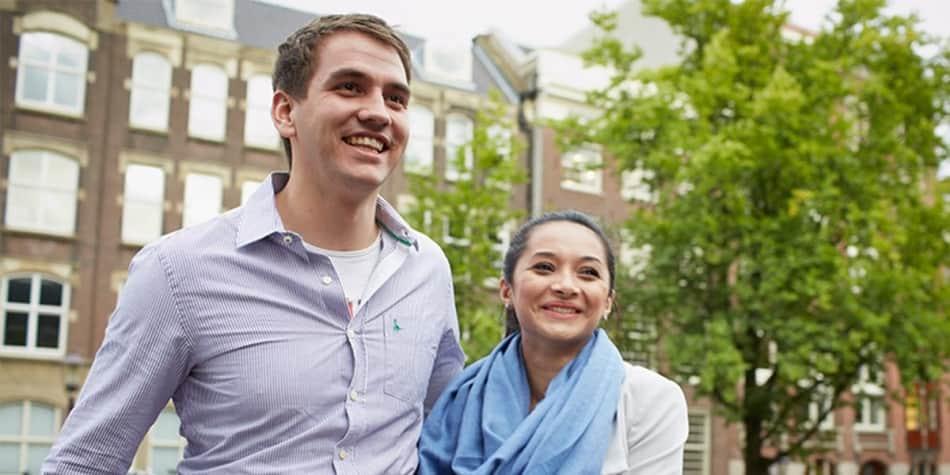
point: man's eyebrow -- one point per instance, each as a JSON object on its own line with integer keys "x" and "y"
{"x": 353, "y": 73}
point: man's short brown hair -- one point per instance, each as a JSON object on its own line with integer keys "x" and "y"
{"x": 297, "y": 56}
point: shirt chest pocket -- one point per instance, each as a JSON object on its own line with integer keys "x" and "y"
{"x": 411, "y": 344}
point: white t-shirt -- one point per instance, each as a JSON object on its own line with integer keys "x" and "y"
{"x": 354, "y": 269}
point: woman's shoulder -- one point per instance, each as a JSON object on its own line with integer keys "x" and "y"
{"x": 644, "y": 383}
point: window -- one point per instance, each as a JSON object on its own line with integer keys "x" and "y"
{"x": 52, "y": 73}
{"x": 824, "y": 396}
{"x": 202, "y": 198}
{"x": 871, "y": 409}
{"x": 259, "y": 131}
{"x": 215, "y": 14}
{"x": 696, "y": 452}
{"x": 247, "y": 189}
{"x": 639, "y": 345}
{"x": 165, "y": 446}
{"x": 418, "y": 156}
{"x": 635, "y": 185}
{"x": 27, "y": 432}
{"x": 143, "y": 204}
{"x": 459, "y": 131}
{"x": 35, "y": 313}
{"x": 207, "y": 114}
{"x": 821, "y": 466}
{"x": 581, "y": 170}
{"x": 41, "y": 195}
{"x": 151, "y": 89}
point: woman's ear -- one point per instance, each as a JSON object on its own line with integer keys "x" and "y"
{"x": 504, "y": 291}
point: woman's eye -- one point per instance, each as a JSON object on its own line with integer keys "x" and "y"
{"x": 590, "y": 272}
{"x": 543, "y": 266}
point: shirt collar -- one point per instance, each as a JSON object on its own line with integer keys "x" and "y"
{"x": 261, "y": 219}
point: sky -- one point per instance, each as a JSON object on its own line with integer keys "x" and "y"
{"x": 540, "y": 23}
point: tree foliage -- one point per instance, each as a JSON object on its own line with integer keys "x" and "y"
{"x": 792, "y": 243}
{"x": 466, "y": 215}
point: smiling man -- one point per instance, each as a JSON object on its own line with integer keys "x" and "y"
{"x": 305, "y": 332}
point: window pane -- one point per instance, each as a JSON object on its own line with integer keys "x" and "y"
{"x": 42, "y": 420}
{"x": 149, "y": 109}
{"x": 47, "y": 331}
{"x": 26, "y": 167}
{"x": 10, "y": 419}
{"x": 14, "y": 333}
{"x": 144, "y": 183}
{"x": 206, "y": 119}
{"x": 18, "y": 290}
{"x": 35, "y": 83}
{"x": 72, "y": 54}
{"x": 35, "y": 454}
{"x": 10, "y": 458}
{"x": 33, "y": 48}
{"x": 202, "y": 198}
{"x": 62, "y": 173}
{"x": 247, "y": 189}
{"x": 51, "y": 293}
{"x": 22, "y": 208}
{"x": 58, "y": 212}
{"x": 153, "y": 70}
{"x": 69, "y": 88}
{"x": 166, "y": 427}
{"x": 164, "y": 460}
{"x": 141, "y": 222}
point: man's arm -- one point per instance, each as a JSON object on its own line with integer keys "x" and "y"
{"x": 143, "y": 359}
{"x": 449, "y": 358}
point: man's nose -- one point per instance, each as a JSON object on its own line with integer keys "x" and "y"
{"x": 374, "y": 111}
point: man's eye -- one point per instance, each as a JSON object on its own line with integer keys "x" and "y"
{"x": 398, "y": 99}
{"x": 348, "y": 86}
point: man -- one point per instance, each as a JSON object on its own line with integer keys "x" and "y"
{"x": 305, "y": 332}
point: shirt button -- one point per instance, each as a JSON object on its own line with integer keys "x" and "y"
{"x": 288, "y": 239}
{"x": 354, "y": 395}
{"x": 343, "y": 454}
{"x": 326, "y": 280}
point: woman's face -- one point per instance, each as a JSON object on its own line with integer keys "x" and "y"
{"x": 561, "y": 285}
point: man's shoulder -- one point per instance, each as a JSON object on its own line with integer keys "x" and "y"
{"x": 197, "y": 240}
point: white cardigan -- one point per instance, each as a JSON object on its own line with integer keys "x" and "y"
{"x": 651, "y": 426}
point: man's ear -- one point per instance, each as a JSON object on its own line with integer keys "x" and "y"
{"x": 280, "y": 112}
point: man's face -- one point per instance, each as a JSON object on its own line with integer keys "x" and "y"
{"x": 351, "y": 130}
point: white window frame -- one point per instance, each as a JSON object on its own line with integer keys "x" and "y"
{"x": 155, "y": 442}
{"x": 419, "y": 155}
{"x": 582, "y": 170}
{"x": 814, "y": 409}
{"x": 17, "y": 185}
{"x": 148, "y": 83}
{"x": 702, "y": 446}
{"x": 456, "y": 139}
{"x": 24, "y": 439}
{"x": 259, "y": 129}
{"x": 54, "y": 69}
{"x": 449, "y": 239}
{"x": 216, "y": 96}
{"x": 33, "y": 309}
{"x": 867, "y": 392}
{"x": 188, "y": 216}
{"x": 140, "y": 237}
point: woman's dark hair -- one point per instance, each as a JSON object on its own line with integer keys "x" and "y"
{"x": 520, "y": 241}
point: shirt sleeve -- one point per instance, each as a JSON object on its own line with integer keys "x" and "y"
{"x": 658, "y": 428}
{"x": 143, "y": 359}
{"x": 449, "y": 358}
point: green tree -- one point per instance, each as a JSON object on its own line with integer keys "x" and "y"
{"x": 466, "y": 216}
{"x": 791, "y": 241}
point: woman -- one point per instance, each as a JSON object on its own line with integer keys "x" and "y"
{"x": 555, "y": 395}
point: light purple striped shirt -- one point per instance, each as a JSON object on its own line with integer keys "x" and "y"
{"x": 249, "y": 335}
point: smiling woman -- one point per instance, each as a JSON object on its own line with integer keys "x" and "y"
{"x": 555, "y": 395}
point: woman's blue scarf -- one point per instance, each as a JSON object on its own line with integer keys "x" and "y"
{"x": 482, "y": 424}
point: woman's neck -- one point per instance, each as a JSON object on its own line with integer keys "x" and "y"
{"x": 542, "y": 363}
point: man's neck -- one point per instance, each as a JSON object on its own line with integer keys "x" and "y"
{"x": 326, "y": 219}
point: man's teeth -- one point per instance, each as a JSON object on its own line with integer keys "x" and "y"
{"x": 366, "y": 142}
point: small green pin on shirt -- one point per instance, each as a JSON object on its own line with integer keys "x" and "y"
{"x": 396, "y": 326}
